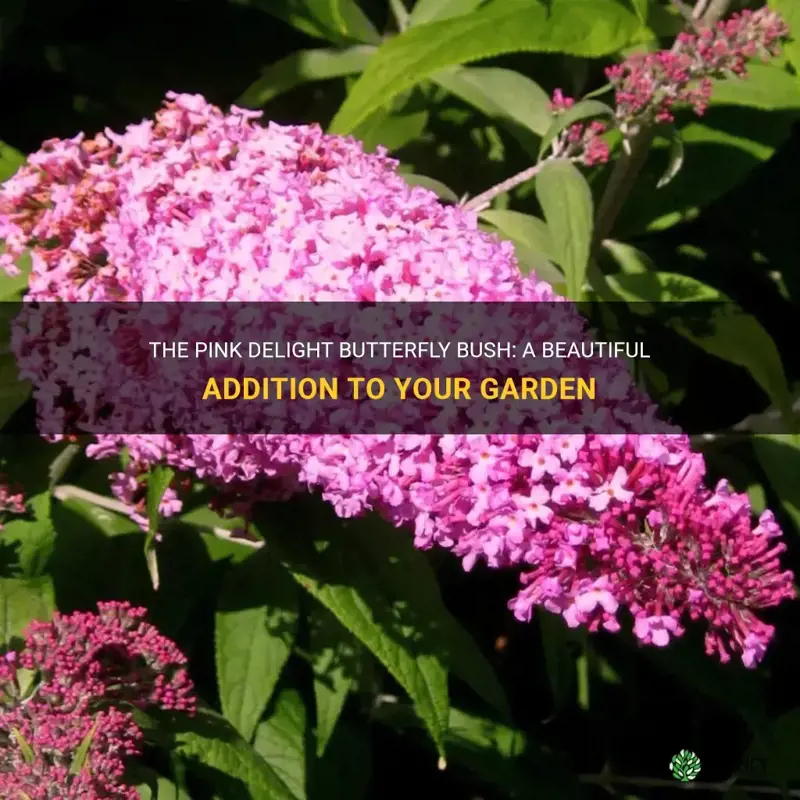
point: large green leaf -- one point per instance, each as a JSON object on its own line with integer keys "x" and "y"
{"x": 339, "y": 21}
{"x": 23, "y": 600}
{"x": 767, "y": 87}
{"x": 581, "y": 27}
{"x": 432, "y": 10}
{"x": 382, "y": 590}
{"x": 301, "y": 67}
{"x": 281, "y": 740}
{"x": 255, "y": 626}
{"x": 566, "y": 201}
{"x": 728, "y": 333}
{"x": 225, "y": 762}
{"x": 359, "y": 585}
{"x": 503, "y": 95}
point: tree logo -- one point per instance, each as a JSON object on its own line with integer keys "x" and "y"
{"x": 685, "y": 766}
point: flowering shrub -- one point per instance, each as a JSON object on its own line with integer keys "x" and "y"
{"x": 611, "y": 532}
{"x": 70, "y": 734}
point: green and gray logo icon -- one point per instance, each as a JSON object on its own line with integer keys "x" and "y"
{"x": 685, "y": 766}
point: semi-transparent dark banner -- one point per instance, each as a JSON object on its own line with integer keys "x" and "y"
{"x": 344, "y": 368}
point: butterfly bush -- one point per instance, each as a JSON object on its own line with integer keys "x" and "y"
{"x": 649, "y": 85}
{"x": 198, "y": 205}
{"x": 91, "y": 670}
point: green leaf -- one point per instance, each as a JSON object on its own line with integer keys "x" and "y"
{"x": 585, "y": 109}
{"x": 281, "y": 740}
{"x": 790, "y": 11}
{"x": 641, "y": 7}
{"x": 432, "y": 10}
{"x": 61, "y": 464}
{"x": 158, "y": 482}
{"x": 588, "y": 28}
{"x": 363, "y": 591}
{"x": 630, "y": 260}
{"x": 566, "y": 200}
{"x": 11, "y": 291}
{"x": 383, "y": 591}
{"x": 339, "y": 21}
{"x": 335, "y": 660}
{"x": 524, "y": 229}
{"x": 33, "y": 538}
{"x": 676, "y": 156}
{"x": 10, "y": 161}
{"x": 255, "y": 626}
{"x": 157, "y": 787}
{"x": 304, "y": 66}
{"x": 731, "y": 334}
{"x": 779, "y": 456}
{"x": 224, "y": 761}
{"x": 501, "y": 94}
{"x": 13, "y": 392}
{"x": 391, "y": 130}
{"x": 24, "y": 745}
{"x": 437, "y": 187}
{"x": 766, "y": 87}
{"x": 23, "y": 600}
{"x": 82, "y": 753}
{"x": 532, "y": 243}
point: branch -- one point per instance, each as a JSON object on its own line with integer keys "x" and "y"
{"x": 609, "y": 781}
{"x": 484, "y": 200}
{"x": 66, "y": 492}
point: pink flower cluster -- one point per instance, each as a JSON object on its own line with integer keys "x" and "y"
{"x": 12, "y": 500}
{"x": 580, "y": 141}
{"x": 200, "y": 205}
{"x": 649, "y": 85}
{"x": 88, "y": 668}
